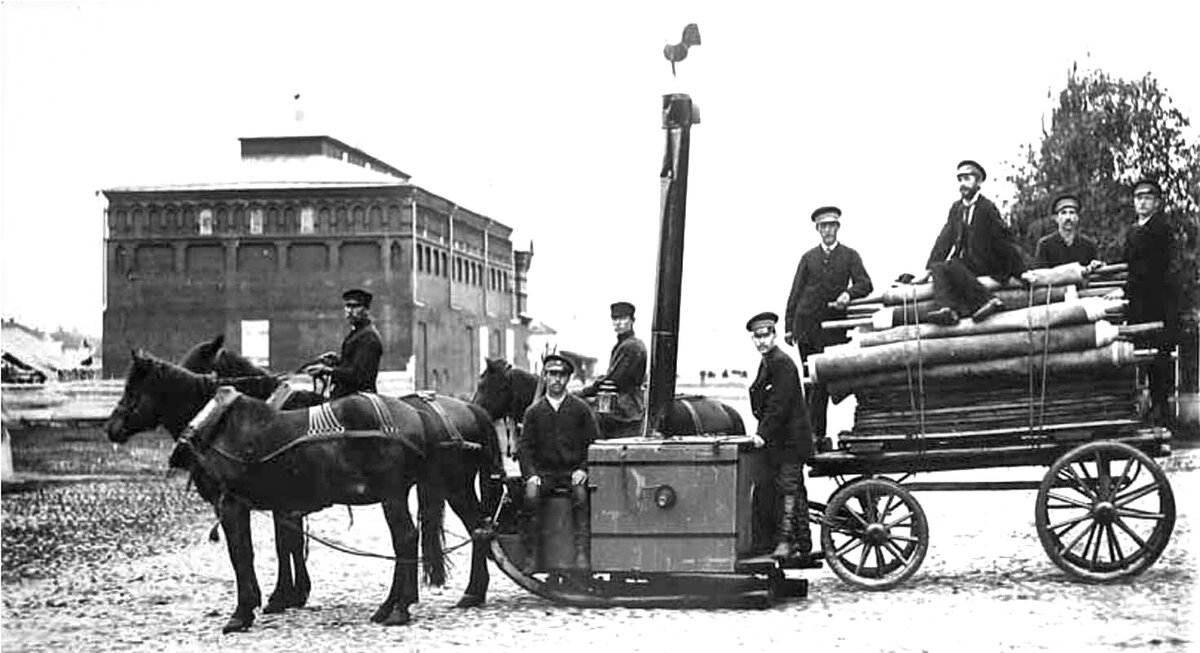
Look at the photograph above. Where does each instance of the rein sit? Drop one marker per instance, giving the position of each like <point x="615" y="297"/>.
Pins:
<point x="334" y="544"/>
<point x="230" y="380"/>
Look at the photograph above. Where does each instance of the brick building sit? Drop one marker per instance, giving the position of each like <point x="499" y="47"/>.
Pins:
<point x="263" y="259"/>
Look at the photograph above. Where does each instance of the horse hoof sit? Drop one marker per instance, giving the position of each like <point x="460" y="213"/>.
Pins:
<point x="381" y="613"/>
<point x="470" y="601"/>
<point x="275" y="605"/>
<point x="398" y="617"/>
<point x="238" y="624"/>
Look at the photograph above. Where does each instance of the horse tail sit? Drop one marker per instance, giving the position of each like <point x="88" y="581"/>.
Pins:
<point x="431" y="515"/>
<point x="490" y="463"/>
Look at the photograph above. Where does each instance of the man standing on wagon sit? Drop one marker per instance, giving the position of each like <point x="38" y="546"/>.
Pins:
<point x="784" y="431"/>
<point x="357" y="366"/>
<point x="829" y="273"/>
<point x="1152" y="290"/>
<point x="626" y="371"/>
<point x="552" y="450"/>
<point x="975" y="241"/>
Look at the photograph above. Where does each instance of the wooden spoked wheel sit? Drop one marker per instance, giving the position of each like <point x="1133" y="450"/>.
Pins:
<point x="874" y="534"/>
<point x="1105" y="511"/>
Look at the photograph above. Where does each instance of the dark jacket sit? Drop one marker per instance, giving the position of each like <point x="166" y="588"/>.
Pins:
<point x="1152" y="291"/>
<point x="627" y="369"/>
<point x="358" y="365"/>
<point x="778" y="405"/>
<point x="556" y="441"/>
<point x="1052" y="250"/>
<point x="819" y="279"/>
<point x="986" y="246"/>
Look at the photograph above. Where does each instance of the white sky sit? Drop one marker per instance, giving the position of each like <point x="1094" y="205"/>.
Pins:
<point x="545" y="116"/>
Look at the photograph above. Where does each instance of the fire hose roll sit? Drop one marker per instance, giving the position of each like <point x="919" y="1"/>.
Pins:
<point x="1114" y="355"/>
<point x="1038" y="317"/>
<point x="842" y="363"/>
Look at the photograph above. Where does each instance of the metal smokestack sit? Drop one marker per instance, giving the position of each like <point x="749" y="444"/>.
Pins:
<point x="678" y="117"/>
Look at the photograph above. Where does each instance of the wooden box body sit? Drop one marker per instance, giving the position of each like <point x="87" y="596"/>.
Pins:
<point x="678" y="505"/>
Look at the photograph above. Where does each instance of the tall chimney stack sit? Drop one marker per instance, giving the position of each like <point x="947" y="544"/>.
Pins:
<point x="678" y="117"/>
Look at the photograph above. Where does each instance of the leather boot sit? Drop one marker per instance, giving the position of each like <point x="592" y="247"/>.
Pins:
<point x="992" y="306"/>
<point x="785" y="535"/>
<point x="944" y="316"/>
<point x="583" y="533"/>
<point x="533" y="542"/>
<point x="802" y="535"/>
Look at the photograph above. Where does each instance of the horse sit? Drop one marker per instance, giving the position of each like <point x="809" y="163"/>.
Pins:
<point x="212" y="357"/>
<point x="292" y="584"/>
<point x="505" y="391"/>
<point x="243" y="454"/>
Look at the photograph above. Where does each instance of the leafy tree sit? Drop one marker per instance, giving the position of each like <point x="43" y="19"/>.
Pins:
<point x="1103" y="136"/>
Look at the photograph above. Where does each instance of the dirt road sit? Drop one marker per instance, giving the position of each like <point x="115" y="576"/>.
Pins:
<point x="985" y="586"/>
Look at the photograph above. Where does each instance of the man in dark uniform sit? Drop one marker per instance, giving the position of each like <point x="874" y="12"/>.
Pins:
<point x="829" y="273"/>
<point x="626" y="371"/>
<point x="1153" y="293"/>
<point x="552" y="451"/>
<point x="1067" y="245"/>
<point x="975" y="241"/>
<point x="357" y="366"/>
<point x="784" y="430"/>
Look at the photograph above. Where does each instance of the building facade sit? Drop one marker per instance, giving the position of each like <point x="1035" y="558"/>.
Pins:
<point x="264" y="259"/>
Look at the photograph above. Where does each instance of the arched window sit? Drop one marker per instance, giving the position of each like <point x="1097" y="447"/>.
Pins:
<point x="205" y="225"/>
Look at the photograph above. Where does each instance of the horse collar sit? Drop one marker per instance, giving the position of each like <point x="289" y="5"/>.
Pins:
<point x="221" y="400"/>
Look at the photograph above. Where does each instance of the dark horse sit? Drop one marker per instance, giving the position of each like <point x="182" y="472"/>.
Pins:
<point x="447" y="412"/>
<point x="243" y="454"/>
<point x="505" y="391"/>
<point x="292" y="583"/>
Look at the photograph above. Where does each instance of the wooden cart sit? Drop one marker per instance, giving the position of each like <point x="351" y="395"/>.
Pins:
<point x="1104" y="509"/>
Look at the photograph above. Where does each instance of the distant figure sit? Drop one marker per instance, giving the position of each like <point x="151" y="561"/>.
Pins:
<point x="1067" y="245"/>
<point x="552" y="450"/>
<point x="627" y="371"/>
<point x="356" y="368"/>
<point x="784" y="431"/>
<point x="830" y="273"/>
<point x="975" y="241"/>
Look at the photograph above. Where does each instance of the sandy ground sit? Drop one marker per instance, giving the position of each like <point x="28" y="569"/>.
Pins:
<point x="986" y="585"/>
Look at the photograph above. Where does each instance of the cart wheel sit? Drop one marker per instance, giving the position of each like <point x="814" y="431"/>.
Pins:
<point x="874" y="534"/>
<point x="1104" y="512"/>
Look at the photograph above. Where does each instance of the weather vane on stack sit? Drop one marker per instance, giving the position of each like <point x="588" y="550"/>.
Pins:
<point x="679" y="51"/>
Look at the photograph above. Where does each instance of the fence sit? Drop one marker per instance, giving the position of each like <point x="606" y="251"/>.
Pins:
<point x="91" y="401"/>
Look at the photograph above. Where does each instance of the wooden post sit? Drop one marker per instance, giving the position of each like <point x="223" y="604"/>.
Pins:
<point x="6" y="463"/>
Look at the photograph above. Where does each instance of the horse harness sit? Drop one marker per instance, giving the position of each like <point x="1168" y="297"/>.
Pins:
<point x="323" y="425"/>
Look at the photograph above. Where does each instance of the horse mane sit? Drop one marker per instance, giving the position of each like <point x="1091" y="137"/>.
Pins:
<point x="228" y="363"/>
<point x="147" y="365"/>
<point x="200" y="357"/>
<point x="231" y="368"/>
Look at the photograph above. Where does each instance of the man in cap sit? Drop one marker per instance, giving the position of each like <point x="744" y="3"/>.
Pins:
<point x="357" y="366"/>
<point x="975" y="241"/>
<point x="784" y="431"/>
<point x="552" y="450"/>
<point x="1152" y="291"/>
<point x="827" y="278"/>
<point x="626" y="371"/>
<point x="1067" y="245"/>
